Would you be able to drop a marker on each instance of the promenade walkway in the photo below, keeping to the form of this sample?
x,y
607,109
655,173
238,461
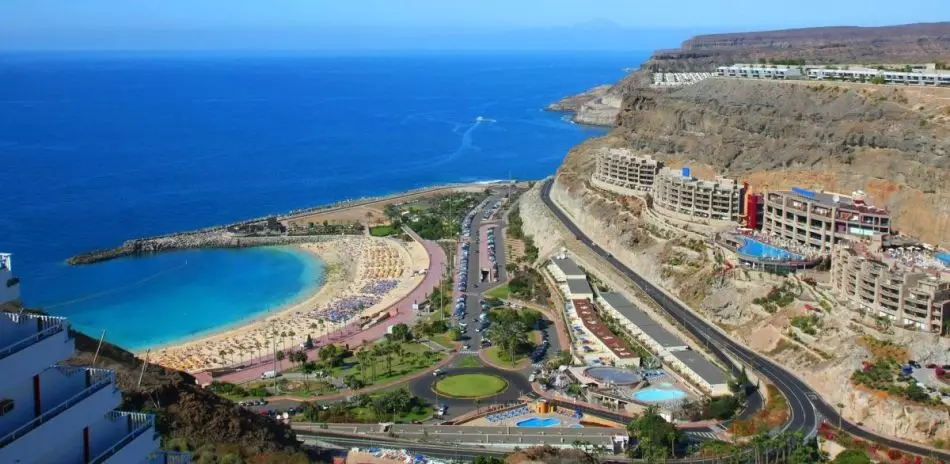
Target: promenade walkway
x,y
351,335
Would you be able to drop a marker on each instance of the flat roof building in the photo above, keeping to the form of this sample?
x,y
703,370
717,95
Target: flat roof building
x,y
822,220
563,269
700,371
678,193
759,71
579,289
640,325
623,171
618,351
882,287
916,77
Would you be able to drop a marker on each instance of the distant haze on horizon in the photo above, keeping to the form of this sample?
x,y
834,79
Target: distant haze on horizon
x,y
420,24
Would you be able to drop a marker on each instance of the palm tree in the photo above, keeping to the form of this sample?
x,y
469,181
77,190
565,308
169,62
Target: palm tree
x,y
398,350
387,350
223,353
280,357
376,352
308,369
283,335
257,345
291,335
363,357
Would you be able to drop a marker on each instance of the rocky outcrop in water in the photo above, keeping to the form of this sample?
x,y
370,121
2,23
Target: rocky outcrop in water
x,y
596,107
207,239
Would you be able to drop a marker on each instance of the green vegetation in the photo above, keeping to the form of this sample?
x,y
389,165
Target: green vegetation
x,y
470,385
657,437
509,333
515,225
778,297
629,342
877,80
852,457
396,404
500,292
326,228
236,392
383,231
469,361
436,218
809,324
488,460
784,447
528,285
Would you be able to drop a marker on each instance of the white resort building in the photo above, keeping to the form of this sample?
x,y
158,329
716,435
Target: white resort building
x,y
919,77
760,71
678,193
881,286
57,413
624,172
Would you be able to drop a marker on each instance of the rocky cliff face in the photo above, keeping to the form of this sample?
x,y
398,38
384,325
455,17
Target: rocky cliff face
x,y
891,142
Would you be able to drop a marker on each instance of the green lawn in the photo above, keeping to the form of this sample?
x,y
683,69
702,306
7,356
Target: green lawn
x,y
500,292
367,415
471,385
444,340
469,361
411,362
496,356
382,231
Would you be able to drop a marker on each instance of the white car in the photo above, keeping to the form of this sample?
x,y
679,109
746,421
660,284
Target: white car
x,y
437,372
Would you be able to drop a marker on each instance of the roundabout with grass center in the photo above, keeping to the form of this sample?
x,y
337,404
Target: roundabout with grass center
x,y
473,385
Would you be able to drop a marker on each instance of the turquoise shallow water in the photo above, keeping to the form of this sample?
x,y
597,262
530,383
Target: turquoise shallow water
x,y
175,296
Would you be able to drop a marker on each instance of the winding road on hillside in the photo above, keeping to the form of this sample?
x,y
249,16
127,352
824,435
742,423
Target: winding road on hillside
x,y
806,406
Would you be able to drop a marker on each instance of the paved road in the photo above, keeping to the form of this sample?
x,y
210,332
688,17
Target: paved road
x,y
517,386
355,337
806,406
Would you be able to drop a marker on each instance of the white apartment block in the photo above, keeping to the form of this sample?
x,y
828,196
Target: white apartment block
x,y
821,219
677,192
883,288
890,77
761,71
56,413
622,171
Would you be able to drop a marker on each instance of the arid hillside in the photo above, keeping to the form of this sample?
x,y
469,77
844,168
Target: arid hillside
x,y
910,43
889,141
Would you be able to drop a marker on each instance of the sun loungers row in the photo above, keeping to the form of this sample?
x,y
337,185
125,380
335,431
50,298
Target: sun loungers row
x,y
502,416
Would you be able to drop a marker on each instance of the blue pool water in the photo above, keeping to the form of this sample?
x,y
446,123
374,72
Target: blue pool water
x,y
539,422
758,249
944,257
103,148
658,395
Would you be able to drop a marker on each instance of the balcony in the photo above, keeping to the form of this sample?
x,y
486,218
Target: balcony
x,y
29,344
77,396
132,437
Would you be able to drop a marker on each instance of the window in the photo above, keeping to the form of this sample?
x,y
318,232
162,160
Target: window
x,y
5,407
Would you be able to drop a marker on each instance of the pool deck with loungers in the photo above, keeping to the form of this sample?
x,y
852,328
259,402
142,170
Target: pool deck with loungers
x,y
530,419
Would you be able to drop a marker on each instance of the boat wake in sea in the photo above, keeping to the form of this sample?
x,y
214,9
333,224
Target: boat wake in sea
x,y
117,289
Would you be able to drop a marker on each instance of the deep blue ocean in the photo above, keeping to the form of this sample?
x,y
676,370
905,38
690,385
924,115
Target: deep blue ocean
x,y
98,148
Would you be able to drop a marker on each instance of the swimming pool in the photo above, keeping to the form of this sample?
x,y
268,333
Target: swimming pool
x,y
659,395
944,256
758,249
539,422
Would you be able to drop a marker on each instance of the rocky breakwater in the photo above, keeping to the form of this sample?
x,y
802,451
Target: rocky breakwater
x,y
219,238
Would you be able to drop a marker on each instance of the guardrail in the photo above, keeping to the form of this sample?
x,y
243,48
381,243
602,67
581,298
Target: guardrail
x,y
139,422
101,378
50,325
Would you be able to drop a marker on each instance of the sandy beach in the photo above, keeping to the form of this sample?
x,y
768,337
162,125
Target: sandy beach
x,y
364,276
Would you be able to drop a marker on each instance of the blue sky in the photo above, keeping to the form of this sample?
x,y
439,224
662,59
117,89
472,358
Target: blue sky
x,y
368,24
